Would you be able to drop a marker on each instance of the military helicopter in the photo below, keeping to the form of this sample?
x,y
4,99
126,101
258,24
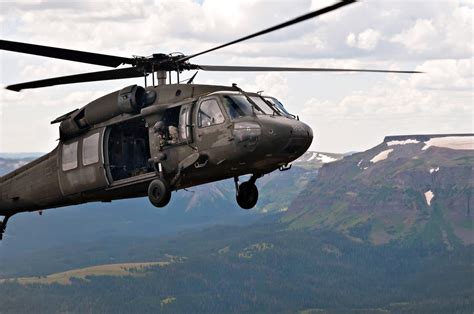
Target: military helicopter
x,y
152,140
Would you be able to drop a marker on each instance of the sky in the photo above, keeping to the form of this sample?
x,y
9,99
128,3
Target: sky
x,y
347,111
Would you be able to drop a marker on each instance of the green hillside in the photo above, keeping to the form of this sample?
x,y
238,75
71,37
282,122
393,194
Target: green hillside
x,y
259,268
411,194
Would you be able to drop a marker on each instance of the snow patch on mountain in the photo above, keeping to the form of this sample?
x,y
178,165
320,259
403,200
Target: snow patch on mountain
x,y
429,196
381,156
452,142
314,155
408,141
323,158
317,157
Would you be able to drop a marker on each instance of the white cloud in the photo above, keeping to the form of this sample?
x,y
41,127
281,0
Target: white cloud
x,y
273,84
446,34
366,40
347,111
362,119
450,74
386,101
418,38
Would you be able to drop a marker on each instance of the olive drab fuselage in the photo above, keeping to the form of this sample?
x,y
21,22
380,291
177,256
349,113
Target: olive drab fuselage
x,y
111,149
152,141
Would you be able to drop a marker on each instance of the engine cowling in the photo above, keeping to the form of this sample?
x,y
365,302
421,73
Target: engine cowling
x,y
128,100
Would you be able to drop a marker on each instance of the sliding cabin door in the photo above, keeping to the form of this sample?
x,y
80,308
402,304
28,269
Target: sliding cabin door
x,y
81,163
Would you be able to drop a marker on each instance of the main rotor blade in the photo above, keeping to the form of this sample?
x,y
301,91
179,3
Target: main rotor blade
x,y
65,54
79,78
237,68
276,27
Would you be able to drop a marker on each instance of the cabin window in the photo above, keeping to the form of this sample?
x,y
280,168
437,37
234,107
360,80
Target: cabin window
x,y
90,149
209,113
69,157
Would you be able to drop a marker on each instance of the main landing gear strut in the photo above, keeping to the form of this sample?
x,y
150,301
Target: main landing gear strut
x,y
246,192
159,192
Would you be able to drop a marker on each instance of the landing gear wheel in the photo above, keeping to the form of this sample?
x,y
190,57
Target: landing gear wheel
x,y
159,193
247,196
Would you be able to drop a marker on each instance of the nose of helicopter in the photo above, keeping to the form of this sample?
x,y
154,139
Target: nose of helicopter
x,y
285,139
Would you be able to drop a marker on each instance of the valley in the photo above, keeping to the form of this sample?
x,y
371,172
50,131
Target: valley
x,y
389,229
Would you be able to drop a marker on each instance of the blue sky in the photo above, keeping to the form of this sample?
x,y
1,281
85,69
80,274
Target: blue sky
x,y
346,111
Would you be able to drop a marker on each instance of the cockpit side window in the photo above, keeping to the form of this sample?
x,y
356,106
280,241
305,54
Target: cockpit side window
x,y
209,113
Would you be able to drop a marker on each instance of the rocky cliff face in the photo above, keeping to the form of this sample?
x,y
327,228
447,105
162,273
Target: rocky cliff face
x,y
415,188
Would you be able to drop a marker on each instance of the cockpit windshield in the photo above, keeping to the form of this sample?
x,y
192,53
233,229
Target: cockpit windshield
x,y
279,106
239,106
262,105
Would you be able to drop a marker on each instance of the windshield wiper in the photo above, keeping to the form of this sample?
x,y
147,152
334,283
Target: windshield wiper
x,y
280,107
254,105
272,106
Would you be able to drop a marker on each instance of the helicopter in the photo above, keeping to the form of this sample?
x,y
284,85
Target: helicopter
x,y
153,140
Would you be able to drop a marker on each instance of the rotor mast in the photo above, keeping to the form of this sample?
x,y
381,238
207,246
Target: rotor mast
x,y
161,77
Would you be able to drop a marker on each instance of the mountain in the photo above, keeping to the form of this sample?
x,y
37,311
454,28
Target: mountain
x,y
9,164
193,208
387,230
408,188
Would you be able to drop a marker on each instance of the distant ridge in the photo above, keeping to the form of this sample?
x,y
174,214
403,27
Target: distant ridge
x,y
423,137
21,155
